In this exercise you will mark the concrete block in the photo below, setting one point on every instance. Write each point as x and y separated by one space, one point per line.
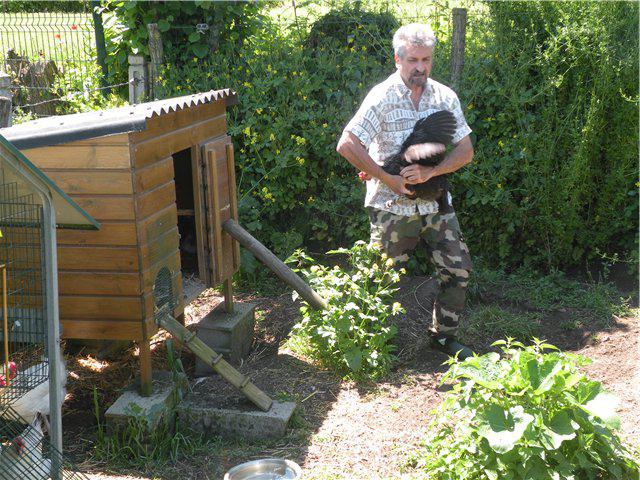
227 422
152 410
230 334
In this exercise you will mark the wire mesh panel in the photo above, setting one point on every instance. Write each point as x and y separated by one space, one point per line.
23 330
50 57
25 450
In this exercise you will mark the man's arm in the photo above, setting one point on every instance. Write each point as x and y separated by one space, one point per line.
350 148
461 155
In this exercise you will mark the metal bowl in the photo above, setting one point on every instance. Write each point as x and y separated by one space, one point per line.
265 469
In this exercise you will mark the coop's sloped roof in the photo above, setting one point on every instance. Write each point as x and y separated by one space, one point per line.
15 167
81 126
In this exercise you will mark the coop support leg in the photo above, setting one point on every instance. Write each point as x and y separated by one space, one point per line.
228 295
215 361
276 265
146 386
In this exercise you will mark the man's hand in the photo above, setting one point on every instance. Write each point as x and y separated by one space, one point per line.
415 173
398 184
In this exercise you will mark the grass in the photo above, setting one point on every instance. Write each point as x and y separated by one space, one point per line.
545 293
495 322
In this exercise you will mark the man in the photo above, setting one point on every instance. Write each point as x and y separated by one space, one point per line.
385 119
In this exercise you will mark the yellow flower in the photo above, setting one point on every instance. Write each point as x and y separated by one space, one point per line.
259 111
324 125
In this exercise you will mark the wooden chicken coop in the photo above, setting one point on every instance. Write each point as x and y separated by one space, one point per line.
159 178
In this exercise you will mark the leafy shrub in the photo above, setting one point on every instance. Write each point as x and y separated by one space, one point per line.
353 334
549 89
351 27
529 414
294 189
126 29
551 93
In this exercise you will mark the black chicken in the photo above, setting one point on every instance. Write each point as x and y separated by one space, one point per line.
426 146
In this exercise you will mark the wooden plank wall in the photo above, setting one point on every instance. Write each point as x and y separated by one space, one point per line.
125 182
155 200
99 279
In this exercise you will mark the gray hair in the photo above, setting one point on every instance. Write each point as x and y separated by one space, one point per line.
416 34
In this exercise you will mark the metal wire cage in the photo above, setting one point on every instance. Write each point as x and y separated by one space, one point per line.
23 329
26 452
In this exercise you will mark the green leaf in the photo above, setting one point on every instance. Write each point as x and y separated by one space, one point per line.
353 358
543 375
604 406
560 428
194 37
503 428
200 50
163 25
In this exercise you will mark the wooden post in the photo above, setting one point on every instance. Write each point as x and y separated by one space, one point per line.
227 286
276 265
101 51
137 78
146 372
156 54
5 100
457 44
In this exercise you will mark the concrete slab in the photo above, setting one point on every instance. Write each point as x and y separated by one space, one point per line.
236 423
230 334
154 409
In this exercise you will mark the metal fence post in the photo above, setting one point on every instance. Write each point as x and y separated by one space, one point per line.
137 78
458 44
5 100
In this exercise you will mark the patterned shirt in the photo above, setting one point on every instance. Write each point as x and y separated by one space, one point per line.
385 119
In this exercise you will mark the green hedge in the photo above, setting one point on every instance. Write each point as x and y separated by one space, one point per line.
550 90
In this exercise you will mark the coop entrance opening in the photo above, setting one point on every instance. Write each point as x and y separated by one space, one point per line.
188 222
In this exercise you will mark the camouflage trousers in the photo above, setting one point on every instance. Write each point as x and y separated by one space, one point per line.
441 236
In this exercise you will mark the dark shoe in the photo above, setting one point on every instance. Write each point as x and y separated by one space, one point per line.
450 346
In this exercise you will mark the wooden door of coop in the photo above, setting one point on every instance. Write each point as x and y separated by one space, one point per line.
217 203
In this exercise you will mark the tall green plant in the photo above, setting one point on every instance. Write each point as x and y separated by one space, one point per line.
552 98
528 414
353 334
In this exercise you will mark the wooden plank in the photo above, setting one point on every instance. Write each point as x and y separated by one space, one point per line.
218 197
92 181
104 283
215 229
233 201
171 261
173 121
155 200
99 307
84 156
157 148
200 217
107 207
109 234
101 329
115 139
157 224
154 175
98 258
152 252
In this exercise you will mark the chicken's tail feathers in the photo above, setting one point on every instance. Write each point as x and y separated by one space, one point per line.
439 127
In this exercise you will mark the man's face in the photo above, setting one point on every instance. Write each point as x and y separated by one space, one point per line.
415 67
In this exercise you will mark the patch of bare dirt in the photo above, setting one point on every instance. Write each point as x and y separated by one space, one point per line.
342 430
